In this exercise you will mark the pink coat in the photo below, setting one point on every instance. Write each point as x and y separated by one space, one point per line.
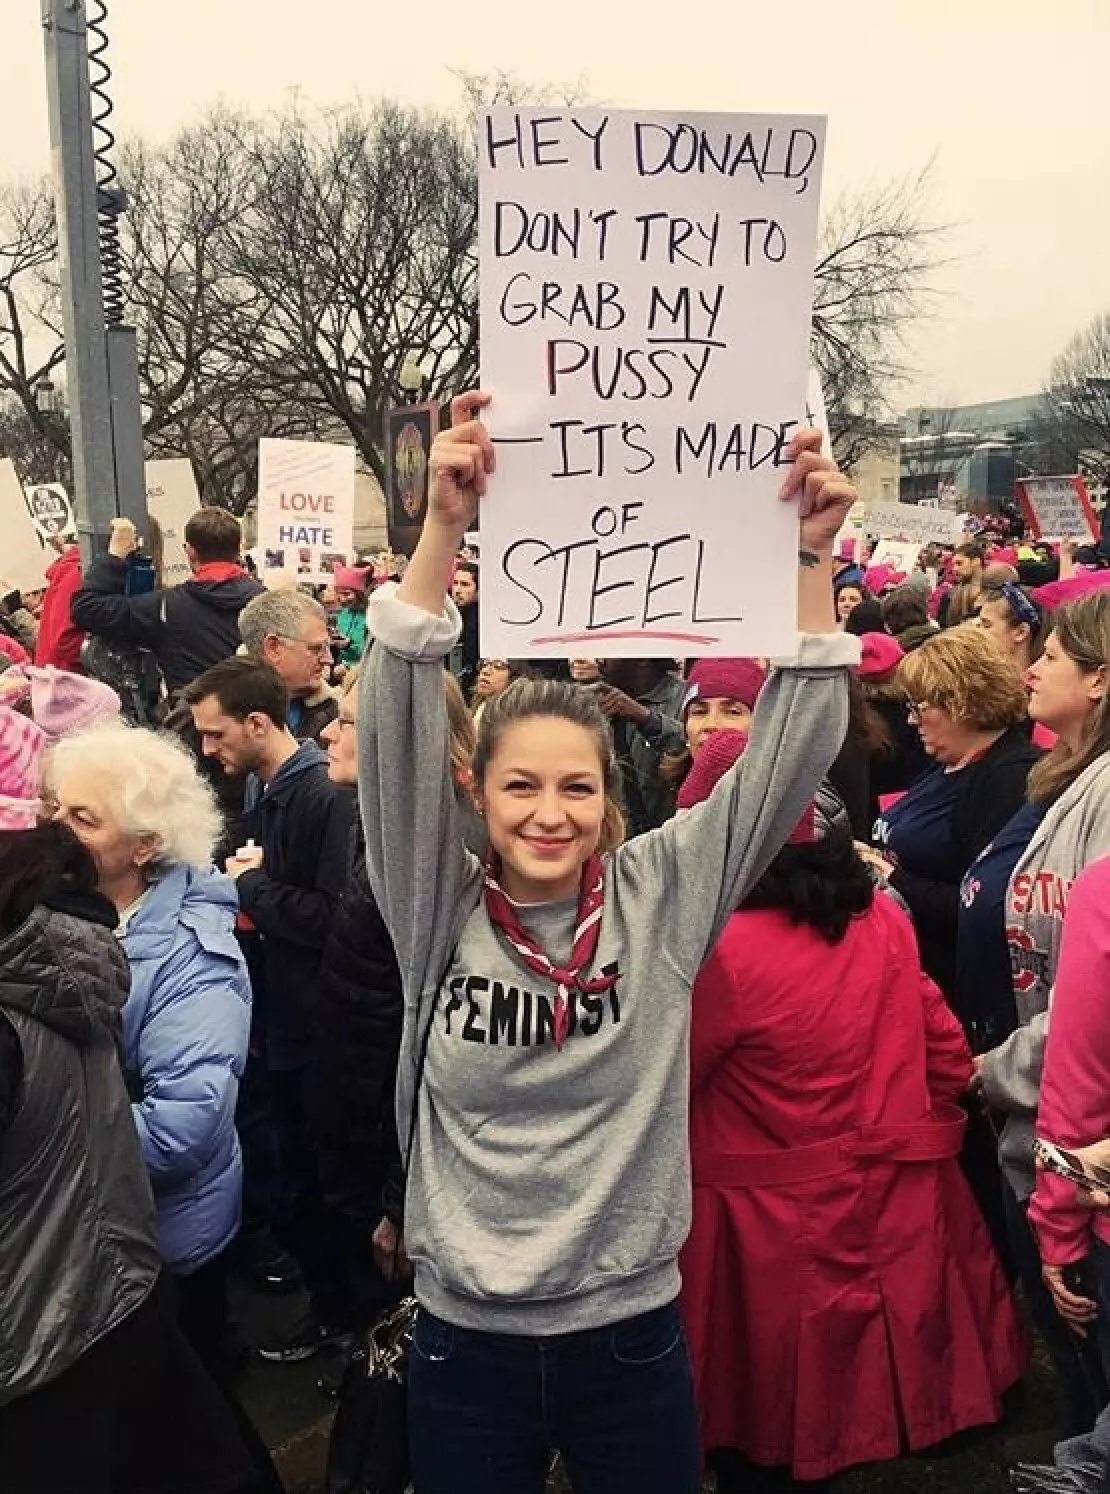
839 1284
1074 1107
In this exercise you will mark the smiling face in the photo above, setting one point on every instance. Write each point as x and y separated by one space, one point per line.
847 598
543 797
1062 696
716 713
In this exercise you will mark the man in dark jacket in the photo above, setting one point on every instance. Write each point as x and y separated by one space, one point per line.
643 700
358 1040
289 885
189 627
466 656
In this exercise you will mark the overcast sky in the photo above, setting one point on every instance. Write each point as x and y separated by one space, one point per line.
1009 96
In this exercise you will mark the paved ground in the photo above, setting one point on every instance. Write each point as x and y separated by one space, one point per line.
294 1418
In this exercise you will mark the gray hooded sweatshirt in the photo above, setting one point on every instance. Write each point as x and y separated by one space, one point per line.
550 1189
1074 832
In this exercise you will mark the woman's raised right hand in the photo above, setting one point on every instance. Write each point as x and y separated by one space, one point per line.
462 459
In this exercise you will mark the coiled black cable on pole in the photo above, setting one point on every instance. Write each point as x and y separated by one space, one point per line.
110 197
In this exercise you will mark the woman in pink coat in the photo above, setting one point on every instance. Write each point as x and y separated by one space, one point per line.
841 1295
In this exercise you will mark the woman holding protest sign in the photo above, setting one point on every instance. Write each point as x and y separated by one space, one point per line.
543 1079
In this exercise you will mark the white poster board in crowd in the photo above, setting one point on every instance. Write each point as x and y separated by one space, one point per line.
172 498
25 553
306 507
646 295
1057 508
909 521
900 555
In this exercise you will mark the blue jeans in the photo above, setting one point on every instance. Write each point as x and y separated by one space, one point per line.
486 1410
1087 1457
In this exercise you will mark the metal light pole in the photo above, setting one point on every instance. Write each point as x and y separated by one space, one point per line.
101 364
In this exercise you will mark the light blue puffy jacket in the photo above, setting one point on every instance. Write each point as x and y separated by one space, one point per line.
185 1028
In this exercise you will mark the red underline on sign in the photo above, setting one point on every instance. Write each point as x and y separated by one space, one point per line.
616 633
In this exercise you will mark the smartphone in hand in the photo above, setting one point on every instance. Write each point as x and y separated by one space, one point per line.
1065 1164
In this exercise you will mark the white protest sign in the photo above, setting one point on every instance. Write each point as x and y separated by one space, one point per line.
306 507
909 521
1057 508
172 498
646 294
900 555
24 553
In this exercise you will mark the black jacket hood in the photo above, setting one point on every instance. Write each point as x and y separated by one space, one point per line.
65 972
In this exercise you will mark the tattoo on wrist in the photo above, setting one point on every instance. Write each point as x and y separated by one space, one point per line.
807 559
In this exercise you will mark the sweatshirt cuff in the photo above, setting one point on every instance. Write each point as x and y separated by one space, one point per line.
822 651
411 632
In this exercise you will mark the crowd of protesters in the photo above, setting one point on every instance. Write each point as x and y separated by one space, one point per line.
676 1031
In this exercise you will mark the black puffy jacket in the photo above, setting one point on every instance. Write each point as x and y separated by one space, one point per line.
188 628
358 1037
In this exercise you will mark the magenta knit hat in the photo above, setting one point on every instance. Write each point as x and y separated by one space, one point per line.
725 679
22 744
881 655
350 577
63 703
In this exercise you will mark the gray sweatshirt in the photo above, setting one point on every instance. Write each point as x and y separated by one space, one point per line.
1074 832
550 1190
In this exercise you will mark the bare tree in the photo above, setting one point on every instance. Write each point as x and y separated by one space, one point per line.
30 344
358 254
878 252
204 395
1075 427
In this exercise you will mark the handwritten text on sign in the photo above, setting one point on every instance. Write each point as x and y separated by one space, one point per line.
1057 507
646 295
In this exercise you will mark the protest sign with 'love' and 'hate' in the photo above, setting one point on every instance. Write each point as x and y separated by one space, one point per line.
646 295
306 507
1057 508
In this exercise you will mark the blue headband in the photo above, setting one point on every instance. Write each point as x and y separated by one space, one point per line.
1020 605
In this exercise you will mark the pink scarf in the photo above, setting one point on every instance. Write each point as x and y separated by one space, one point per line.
587 929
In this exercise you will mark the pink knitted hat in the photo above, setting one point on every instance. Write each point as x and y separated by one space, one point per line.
22 744
63 703
881 654
350 577
725 679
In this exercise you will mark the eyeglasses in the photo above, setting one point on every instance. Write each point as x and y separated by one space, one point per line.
321 650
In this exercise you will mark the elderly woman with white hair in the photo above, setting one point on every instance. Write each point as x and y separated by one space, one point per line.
136 801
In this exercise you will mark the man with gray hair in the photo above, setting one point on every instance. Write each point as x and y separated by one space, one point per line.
289 630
